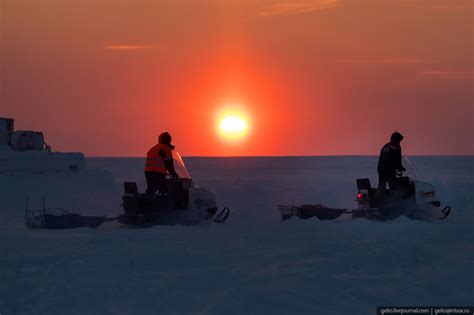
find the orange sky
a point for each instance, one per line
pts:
(317, 77)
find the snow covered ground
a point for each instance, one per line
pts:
(252, 264)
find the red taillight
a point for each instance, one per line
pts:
(360, 196)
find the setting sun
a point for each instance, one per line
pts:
(233, 127)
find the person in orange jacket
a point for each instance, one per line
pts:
(159, 162)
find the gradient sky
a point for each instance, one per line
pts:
(316, 77)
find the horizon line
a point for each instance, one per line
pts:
(287, 156)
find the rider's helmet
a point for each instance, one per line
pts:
(396, 137)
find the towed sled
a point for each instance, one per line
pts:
(60, 219)
(411, 198)
(183, 204)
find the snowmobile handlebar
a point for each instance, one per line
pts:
(401, 171)
(171, 177)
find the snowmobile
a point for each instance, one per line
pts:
(183, 204)
(411, 198)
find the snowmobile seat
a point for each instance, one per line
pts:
(363, 183)
(130, 188)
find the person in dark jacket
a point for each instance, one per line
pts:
(159, 162)
(390, 161)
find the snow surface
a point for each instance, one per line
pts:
(252, 264)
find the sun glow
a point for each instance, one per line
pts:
(233, 127)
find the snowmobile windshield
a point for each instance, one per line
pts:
(410, 167)
(179, 166)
